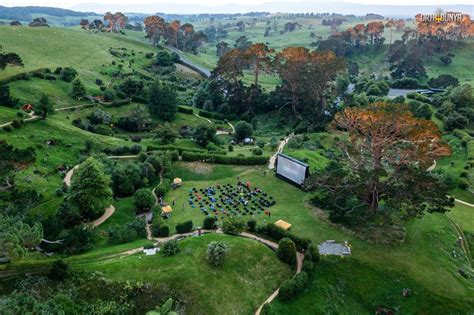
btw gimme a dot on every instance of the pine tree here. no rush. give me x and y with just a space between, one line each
44 107
78 89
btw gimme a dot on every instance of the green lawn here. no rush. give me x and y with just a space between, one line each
464 216
454 165
460 67
29 92
7 114
251 271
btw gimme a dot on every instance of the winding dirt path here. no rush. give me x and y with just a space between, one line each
218 132
281 146
34 117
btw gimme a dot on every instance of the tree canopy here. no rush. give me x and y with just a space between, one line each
385 154
90 189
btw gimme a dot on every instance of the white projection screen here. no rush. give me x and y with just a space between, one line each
291 169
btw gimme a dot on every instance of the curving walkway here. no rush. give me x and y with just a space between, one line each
281 146
218 132
206 119
464 203
34 117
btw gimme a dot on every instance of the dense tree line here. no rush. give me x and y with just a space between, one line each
180 36
304 91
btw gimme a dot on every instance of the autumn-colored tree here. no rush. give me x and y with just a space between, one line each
399 25
305 75
452 29
154 28
230 65
258 56
172 32
390 24
375 30
117 21
385 159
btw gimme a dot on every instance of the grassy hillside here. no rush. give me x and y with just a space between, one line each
60 47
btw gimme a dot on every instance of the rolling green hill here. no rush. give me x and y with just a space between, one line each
61 47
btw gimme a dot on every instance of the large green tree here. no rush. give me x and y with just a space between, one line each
78 89
90 189
162 101
44 108
204 134
243 130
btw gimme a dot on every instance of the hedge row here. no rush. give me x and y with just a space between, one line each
181 149
27 75
216 116
133 149
277 233
223 159
185 110
470 150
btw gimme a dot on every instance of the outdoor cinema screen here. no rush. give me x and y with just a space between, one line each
291 169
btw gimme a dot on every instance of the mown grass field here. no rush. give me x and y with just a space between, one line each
250 273
7 114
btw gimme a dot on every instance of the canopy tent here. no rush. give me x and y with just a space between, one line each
282 224
166 209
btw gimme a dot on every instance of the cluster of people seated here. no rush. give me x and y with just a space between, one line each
229 200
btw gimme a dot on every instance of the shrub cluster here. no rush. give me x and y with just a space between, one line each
216 252
287 251
185 110
209 223
277 233
170 248
133 149
233 226
161 230
207 114
181 149
407 83
129 232
222 159
184 227
291 288
419 97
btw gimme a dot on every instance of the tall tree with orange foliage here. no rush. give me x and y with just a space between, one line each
117 21
305 76
154 28
384 161
230 66
258 56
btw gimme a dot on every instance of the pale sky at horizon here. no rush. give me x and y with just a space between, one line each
234 6
72 3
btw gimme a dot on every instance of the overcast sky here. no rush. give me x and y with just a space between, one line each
217 5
